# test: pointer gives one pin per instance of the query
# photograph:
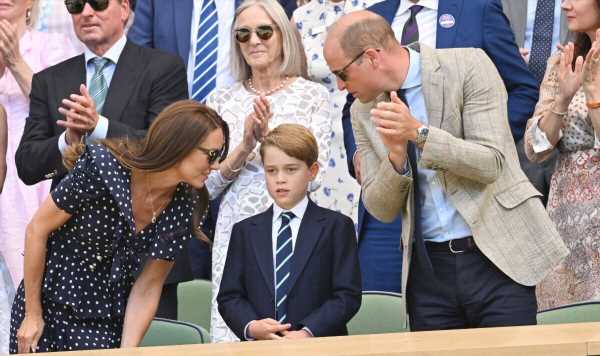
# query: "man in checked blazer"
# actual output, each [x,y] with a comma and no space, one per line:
[476,237]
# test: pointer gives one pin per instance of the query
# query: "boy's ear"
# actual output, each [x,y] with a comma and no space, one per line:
[314,169]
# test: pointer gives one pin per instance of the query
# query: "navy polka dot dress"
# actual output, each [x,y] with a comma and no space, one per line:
[93,259]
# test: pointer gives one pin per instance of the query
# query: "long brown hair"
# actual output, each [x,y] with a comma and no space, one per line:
[174,133]
[583,43]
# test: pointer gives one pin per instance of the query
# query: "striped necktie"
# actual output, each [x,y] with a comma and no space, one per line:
[98,87]
[410,32]
[283,263]
[205,62]
[541,43]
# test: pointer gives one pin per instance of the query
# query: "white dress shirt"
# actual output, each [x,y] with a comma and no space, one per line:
[225,13]
[426,20]
[113,55]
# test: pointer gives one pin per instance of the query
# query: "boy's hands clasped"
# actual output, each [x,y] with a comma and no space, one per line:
[271,329]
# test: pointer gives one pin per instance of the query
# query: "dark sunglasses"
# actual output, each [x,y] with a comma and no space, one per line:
[264,32]
[342,72]
[213,155]
[76,6]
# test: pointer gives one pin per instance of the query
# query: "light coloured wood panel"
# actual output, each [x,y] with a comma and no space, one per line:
[594,348]
[547,340]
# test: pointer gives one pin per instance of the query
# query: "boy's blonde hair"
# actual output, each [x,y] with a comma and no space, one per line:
[295,140]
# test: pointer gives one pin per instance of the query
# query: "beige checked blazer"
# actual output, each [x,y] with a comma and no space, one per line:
[471,148]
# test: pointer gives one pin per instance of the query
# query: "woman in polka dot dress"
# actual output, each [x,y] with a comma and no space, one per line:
[99,249]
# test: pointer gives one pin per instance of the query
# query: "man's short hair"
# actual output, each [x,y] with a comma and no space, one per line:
[373,32]
[295,140]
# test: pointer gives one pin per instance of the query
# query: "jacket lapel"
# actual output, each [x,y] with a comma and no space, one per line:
[263,247]
[72,80]
[432,85]
[123,83]
[445,35]
[182,12]
[308,237]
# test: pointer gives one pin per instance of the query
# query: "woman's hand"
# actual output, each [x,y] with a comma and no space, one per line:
[250,124]
[9,45]
[262,111]
[591,71]
[569,80]
[29,333]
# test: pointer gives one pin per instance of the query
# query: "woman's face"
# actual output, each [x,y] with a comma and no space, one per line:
[14,10]
[195,167]
[582,15]
[259,53]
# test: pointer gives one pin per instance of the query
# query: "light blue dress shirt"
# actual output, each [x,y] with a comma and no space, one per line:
[531,7]
[440,221]
[108,71]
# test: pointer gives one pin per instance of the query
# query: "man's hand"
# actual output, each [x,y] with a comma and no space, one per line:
[80,114]
[300,334]
[395,124]
[524,52]
[266,329]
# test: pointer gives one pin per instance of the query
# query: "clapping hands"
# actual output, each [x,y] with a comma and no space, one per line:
[256,125]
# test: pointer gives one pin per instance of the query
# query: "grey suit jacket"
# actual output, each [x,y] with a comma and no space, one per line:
[471,148]
[516,11]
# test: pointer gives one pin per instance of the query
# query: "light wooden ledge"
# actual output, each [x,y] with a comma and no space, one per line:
[548,340]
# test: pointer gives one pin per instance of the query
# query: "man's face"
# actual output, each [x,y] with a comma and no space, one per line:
[354,74]
[101,28]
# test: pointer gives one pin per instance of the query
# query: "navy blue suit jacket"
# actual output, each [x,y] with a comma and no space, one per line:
[325,284]
[480,24]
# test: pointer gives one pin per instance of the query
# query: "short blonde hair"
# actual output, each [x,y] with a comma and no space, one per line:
[292,51]
[295,140]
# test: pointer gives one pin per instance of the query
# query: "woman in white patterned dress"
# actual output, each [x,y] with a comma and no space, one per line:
[339,190]
[267,60]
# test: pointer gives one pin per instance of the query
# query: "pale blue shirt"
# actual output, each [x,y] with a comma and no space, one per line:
[108,71]
[531,7]
[440,221]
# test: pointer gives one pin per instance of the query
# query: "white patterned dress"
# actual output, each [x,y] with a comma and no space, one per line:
[339,190]
[302,102]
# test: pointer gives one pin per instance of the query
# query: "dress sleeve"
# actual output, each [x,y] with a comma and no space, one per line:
[320,125]
[548,91]
[80,186]
[169,244]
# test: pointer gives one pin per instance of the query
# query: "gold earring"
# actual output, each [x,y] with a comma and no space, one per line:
[28,17]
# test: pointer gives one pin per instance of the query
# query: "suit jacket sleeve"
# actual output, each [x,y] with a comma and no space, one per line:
[168,86]
[379,178]
[142,31]
[522,88]
[479,155]
[347,289]
[39,142]
[234,306]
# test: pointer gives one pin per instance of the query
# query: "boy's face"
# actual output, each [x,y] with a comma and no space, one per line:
[287,177]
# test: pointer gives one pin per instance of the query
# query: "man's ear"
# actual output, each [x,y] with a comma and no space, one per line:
[314,169]
[372,55]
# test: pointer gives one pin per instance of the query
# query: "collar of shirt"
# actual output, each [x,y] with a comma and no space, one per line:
[113,52]
[405,5]
[413,77]
[298,210]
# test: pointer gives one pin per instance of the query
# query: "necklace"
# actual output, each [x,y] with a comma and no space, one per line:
[154,216]
[267,92]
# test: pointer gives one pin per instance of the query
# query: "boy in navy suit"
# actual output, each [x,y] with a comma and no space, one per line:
[292,271]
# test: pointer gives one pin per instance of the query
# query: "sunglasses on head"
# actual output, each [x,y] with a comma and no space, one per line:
[264,32]
[76,6]
[213,155]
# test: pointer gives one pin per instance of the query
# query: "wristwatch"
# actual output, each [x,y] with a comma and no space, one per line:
[422,133]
